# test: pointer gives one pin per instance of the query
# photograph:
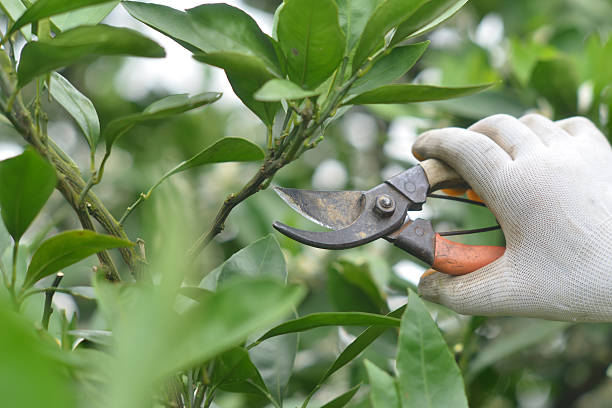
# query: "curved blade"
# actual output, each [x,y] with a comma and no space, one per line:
[366,228]
[331,209]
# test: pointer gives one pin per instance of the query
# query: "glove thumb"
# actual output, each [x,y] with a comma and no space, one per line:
[482,292]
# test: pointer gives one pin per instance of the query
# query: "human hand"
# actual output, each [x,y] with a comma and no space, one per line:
[549,184]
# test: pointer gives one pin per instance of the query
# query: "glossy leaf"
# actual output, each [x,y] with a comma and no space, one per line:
[354,349]
[388,14]
[24,355]
[343,399]
[228,149]
[353,285]
[246,74]
[47,8]
[354,15]
[261,258]
[346,296]
[39,58]
[428,374]
[282,89]
[557,81]
[101,337]
[408,93]
[14,9]
[78,106]
[209,28]
[427,17]
[166,107]
[235,372]
[389,68]
[222,36]
[310,36]
[383,388]
[86,16]
[315,320]
[65,249]
[27,182]
[274,358]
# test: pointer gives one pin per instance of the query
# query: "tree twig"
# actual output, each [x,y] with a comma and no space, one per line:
[49,300]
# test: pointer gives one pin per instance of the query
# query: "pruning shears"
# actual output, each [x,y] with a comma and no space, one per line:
[358,217]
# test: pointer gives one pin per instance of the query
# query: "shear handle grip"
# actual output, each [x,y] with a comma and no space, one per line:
[451,257]
[439,175]
[454,258]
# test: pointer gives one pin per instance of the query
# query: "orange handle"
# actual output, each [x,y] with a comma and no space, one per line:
[454,258]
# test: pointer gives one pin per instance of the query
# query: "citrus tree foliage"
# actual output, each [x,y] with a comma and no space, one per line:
[163,339]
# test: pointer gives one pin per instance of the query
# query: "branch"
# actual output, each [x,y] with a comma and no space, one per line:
[70,180]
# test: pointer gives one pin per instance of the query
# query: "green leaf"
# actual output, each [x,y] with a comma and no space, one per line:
[47,8]
[314,320]
[274,359]
[343,399]
[246,75]
[389,68]
[528,333]
[353,288]
[235,372]
[101,337]
[166,107]
[261,258]
[25,354]
[428,374]
[408,93]
[13,9]
[222,36]
[383,388]
[355,348]
[39,58]
[556,80]
[241,307]
[78,106]
[427,17]
[388,14]
[310,36]
[524,56]
[209,28]
[85,16]
[228,149]
[282,89]
[27,182]
[354,15]
[65,249]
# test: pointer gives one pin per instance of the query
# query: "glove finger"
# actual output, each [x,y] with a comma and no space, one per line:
[474,156]
[509,133]
[547,130]
[482,292]
[579,126]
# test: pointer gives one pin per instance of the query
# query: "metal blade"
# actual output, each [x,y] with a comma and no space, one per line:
[331,209]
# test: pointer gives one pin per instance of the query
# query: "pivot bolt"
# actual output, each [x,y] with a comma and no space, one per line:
[385,205]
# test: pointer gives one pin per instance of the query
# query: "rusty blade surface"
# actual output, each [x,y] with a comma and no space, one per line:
[368,226]
[331,209]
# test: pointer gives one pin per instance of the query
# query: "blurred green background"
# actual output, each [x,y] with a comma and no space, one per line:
[549,56]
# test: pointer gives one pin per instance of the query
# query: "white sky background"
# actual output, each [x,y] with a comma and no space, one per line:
[178,72]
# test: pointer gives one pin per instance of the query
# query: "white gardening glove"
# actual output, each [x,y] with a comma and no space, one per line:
[549,184]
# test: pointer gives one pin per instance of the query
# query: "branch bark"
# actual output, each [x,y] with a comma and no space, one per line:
[70,181]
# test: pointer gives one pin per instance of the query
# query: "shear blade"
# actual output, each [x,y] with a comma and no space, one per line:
[366,227]
[332,209]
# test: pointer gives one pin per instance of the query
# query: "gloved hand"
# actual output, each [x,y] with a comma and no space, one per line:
[549,184]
